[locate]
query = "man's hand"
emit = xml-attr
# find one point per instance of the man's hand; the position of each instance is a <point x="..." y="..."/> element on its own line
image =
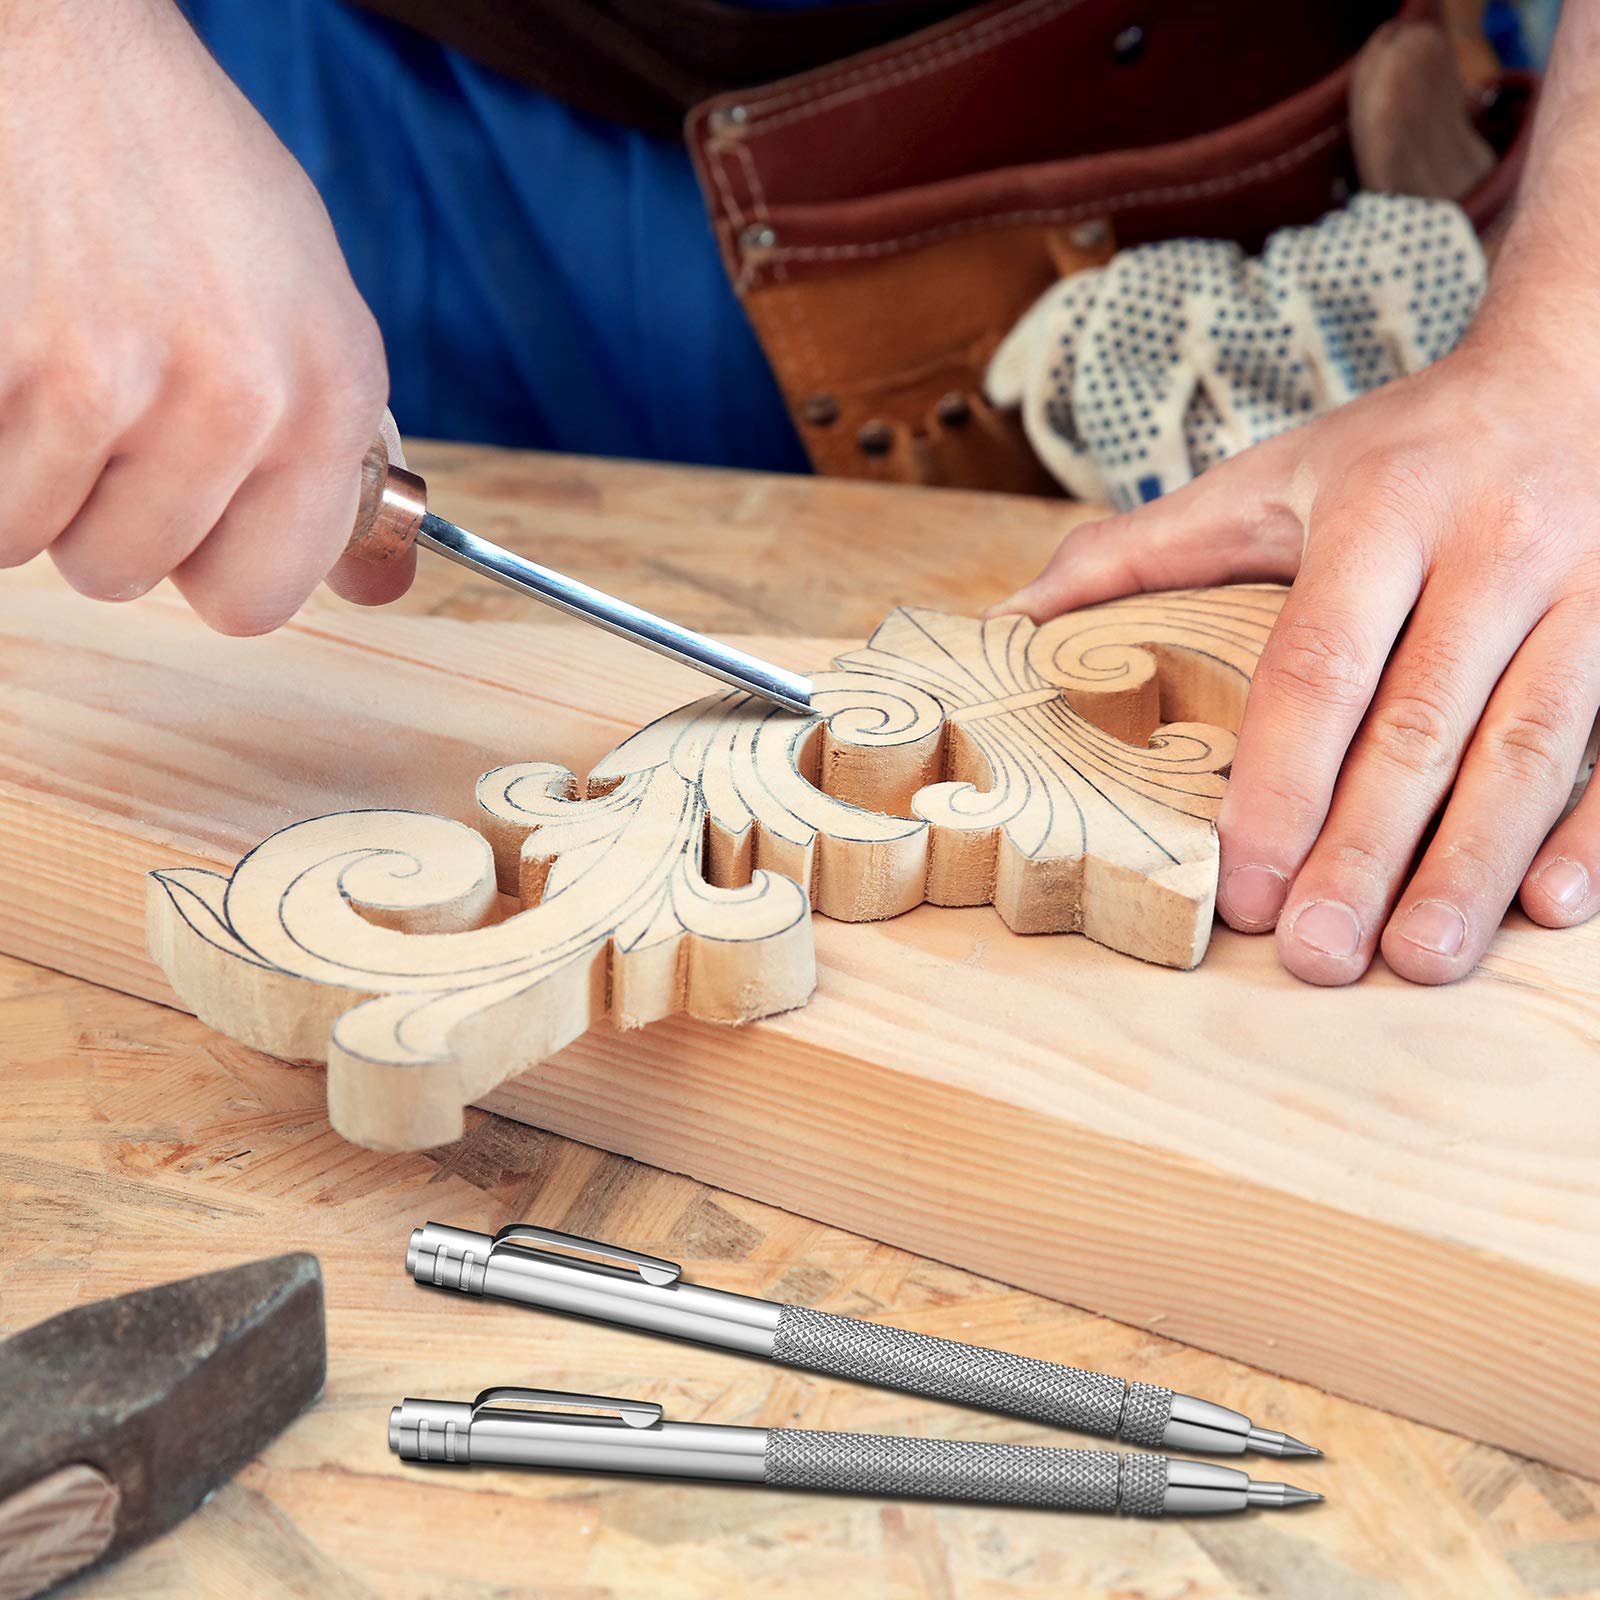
<point x="1440" y="647"/>
<point x="188" y="377"/>
<point x="1439" y="654"/>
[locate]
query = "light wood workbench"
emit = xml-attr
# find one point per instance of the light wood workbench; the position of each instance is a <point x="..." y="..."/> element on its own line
<point x="137" y="1146"/>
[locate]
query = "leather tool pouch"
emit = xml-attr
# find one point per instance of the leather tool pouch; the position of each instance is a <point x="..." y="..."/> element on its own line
<point x="886" y="219"/>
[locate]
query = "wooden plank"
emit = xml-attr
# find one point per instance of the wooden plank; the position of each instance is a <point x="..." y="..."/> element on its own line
<point x="1330" y="1183"/>
<point x="233" y="739"/>
<point x="136" y="1146"/>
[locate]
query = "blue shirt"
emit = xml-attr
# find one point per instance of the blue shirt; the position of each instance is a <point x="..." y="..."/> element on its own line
<point x="542" y="277"/>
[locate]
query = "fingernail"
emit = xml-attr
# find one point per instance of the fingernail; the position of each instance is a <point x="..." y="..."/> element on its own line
<point x="1328" y="927"/>
<point x="1254" y="894"/>
<point x="1005" y="608"/>
<point x="1563" y="881"/>
<point x="1435" y="925"/>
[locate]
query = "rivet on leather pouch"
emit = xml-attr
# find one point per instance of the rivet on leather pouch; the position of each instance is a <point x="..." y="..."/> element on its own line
<point x="875" y="438"/>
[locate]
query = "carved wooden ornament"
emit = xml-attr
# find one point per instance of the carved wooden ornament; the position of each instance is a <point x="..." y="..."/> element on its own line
<point x="1069" y="774"/>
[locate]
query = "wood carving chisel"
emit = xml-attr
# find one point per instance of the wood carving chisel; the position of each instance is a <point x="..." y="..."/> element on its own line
<point x="585" y="1278"/>
<point x="393" y="515"/>
<point x="593" y="1433"/>
<point x="122" y="1416"/>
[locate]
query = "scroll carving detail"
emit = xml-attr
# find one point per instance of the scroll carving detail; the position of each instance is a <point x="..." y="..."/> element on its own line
<point x="1069" y="774"/>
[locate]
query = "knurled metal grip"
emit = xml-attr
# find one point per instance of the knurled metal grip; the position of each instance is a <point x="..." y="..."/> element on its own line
<point x="1145" y="1414"/>
<point x="1142" y="1488"/>
<point x="992" y="1380"/>
<point x="964" y="1469"/>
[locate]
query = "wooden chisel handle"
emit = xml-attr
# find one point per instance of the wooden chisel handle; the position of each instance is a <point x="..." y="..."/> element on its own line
<point x="392" y="506"/>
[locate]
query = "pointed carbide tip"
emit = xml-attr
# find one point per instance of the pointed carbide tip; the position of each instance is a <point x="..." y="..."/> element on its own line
<point x="1278" y="1495"/>
<point x="1272" y="1443"/>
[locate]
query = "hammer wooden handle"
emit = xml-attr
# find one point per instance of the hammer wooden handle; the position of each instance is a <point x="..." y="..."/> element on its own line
<point x="392" y="506"/>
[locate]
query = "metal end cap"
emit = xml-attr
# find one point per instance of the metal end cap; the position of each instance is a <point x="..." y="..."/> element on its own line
<point x="431" y="1430"/>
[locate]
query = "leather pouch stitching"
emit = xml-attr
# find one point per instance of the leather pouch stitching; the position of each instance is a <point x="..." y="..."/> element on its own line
<point x="1201" y="188"/>
<point x="906" y="68"/>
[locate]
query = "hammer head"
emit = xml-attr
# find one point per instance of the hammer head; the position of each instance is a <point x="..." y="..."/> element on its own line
<point x="123" y="1415"/>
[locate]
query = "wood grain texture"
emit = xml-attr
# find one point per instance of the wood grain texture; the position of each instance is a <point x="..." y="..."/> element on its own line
<point x="728" y="552"/>
<point x="1466" y="1115"/>
<point x="1057" y="773"/>
<point x="265" y="744"/>
<point x="53" y="1528"/>
<point x="135" y="1145"/>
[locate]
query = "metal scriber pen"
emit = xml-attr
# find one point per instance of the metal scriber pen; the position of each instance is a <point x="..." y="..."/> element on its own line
<point x="583" y="1277"/>
<point x="593" y="1433"/>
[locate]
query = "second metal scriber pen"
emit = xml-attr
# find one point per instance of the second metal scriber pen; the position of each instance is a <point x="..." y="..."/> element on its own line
<point x="548" y="1428"/>
<point x="585" y="1278"/>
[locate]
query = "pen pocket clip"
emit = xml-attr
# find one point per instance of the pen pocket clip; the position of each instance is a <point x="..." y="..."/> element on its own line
<point x="634" y="1413"/>
<point x="580" y="1252"/>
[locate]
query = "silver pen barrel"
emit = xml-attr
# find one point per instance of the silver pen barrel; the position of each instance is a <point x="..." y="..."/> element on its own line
<point x="500" y="1429"/>
<point x="586" y="1278"/>
<point x="733" y="667"/>
<point x="606" y="1284"/>
<point x="538" y="1428"/>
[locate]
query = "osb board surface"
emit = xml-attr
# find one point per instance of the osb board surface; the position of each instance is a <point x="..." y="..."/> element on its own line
<point x="135" y="1146"/>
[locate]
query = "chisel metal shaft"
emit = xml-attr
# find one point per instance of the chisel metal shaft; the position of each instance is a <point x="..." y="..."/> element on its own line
<point x="393" y="516"/>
